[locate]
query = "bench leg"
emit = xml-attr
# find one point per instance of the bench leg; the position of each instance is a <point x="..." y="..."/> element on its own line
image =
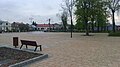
<point x="40" y="48"/>
<point x="26" y="47"/>
<point x="21" y="46"/>
<point x="35" y="48"/>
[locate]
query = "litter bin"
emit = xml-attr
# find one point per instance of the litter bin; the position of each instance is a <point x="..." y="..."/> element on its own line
<point x="15" y="41"/>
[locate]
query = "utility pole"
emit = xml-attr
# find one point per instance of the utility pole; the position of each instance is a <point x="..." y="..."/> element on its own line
<point x="31" y="19"/>
<point x="49" y="24"/>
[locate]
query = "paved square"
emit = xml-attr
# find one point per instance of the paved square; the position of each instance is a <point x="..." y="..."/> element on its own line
<point x="80" y="51"/>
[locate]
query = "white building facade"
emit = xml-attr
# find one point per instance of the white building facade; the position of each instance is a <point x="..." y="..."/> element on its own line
<point x="5" y="26"/>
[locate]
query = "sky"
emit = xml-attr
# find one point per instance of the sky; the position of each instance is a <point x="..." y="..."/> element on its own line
<point x="117" y="18"/>
<point x="22" y="10"/>
<point x="39" y="10"/>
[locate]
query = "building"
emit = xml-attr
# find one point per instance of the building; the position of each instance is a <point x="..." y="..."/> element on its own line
<point x="21" y="27"/>
<point x="32" y="28"/>
<point x="5" y="26"/>
<point x="15" y="26"/>
<point x="44" y="27"/>
<point x="47" y="27"/>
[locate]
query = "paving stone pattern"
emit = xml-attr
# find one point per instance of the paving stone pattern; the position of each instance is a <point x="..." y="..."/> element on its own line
<point x="80" y="51"/>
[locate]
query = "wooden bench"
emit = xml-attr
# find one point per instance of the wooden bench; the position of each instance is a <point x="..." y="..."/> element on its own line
<point x="30" y="43"/>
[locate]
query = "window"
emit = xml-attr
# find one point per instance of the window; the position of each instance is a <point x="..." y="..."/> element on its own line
<point x="6" y="23"/>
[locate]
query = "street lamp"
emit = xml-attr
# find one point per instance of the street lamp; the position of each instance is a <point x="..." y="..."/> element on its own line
<point x="49" y="24"/>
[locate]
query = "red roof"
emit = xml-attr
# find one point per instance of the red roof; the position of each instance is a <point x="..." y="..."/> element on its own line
<point x="44" y="25"/>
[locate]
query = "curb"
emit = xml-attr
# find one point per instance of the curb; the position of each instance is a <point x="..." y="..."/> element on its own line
<point x="29" y="61"/>
<point x="26" y="62"/>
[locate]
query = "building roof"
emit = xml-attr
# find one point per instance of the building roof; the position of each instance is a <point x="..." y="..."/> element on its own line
<point x="44" y="25"/>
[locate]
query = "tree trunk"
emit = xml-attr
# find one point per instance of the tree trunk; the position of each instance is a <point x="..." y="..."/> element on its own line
<point x="113" y="20"/>
<point x="71" y="25"/>
<point x="93" y="25"/>
<point x="98" y="27"/>
<point x="86" y="18"/>
<point x="87" y="28"/>
<point x="64" y="26"/>
<point x="105" y="28"/>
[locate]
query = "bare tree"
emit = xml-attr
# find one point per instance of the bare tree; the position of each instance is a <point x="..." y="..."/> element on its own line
<point x="69" y="4"/>
<point x="113" y="5"/>
<point x="64" y="18"/>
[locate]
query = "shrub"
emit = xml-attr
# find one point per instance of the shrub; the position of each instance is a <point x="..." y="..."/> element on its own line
<point x="114" y="34"/>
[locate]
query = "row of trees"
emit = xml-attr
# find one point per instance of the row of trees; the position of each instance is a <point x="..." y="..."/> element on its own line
<point x="22" y="27"/>
<point x="90" y="13"/>
<point x="19" y="27"/>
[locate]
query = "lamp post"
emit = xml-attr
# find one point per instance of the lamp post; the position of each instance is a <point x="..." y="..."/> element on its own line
<point x="49" y="24"/>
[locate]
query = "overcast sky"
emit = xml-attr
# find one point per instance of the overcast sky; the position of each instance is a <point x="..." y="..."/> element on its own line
<point x="39" y="10"/>
<point x="22" y="10"/>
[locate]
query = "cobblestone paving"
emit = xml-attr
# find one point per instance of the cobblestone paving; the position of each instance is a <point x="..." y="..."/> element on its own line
<point x="80" y="51"/>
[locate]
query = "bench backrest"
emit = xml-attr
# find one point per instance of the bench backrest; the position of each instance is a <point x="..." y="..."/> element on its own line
<point x="26" y="42"/>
